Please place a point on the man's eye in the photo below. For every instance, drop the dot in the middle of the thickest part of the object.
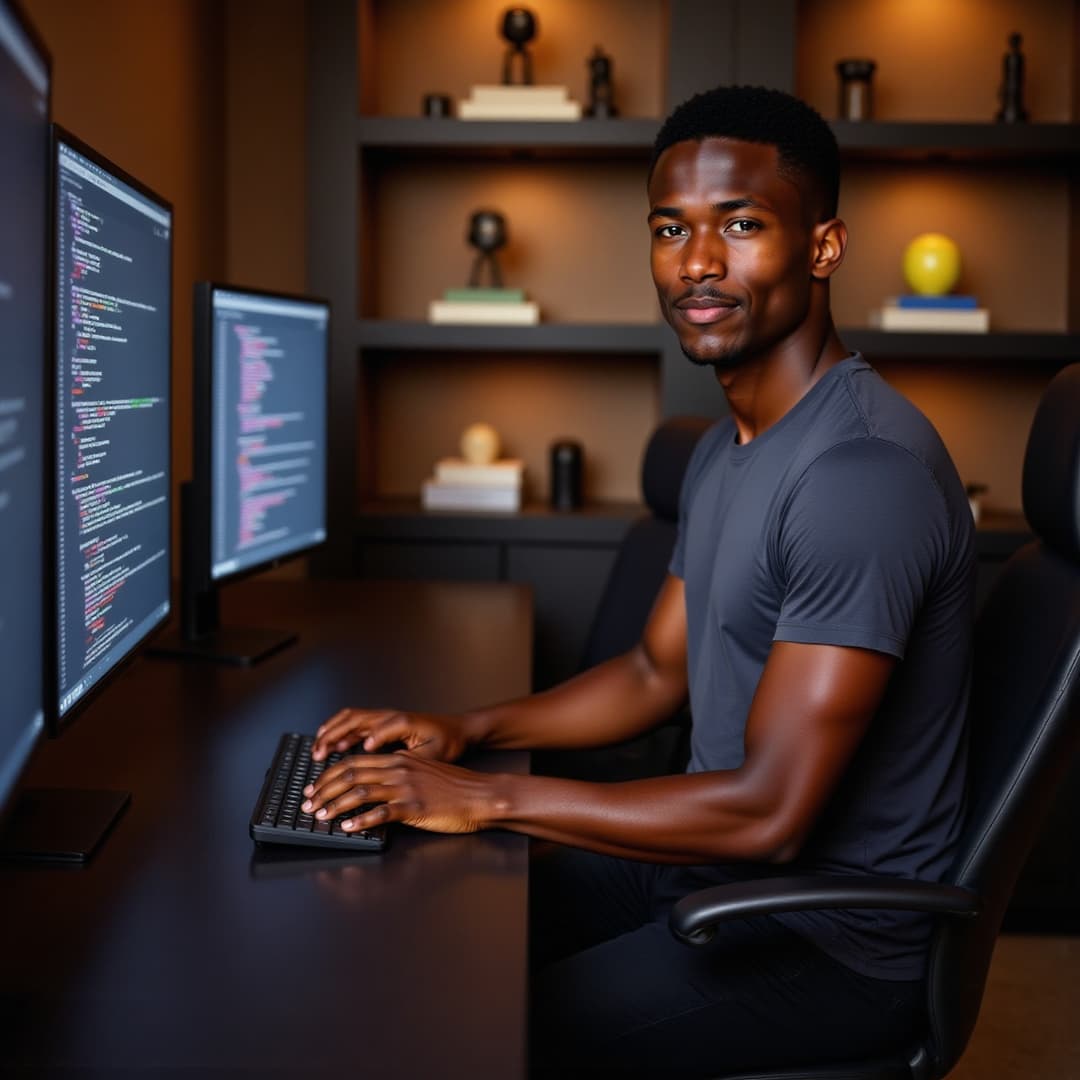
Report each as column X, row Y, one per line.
column 744, row 225
column 668, row 232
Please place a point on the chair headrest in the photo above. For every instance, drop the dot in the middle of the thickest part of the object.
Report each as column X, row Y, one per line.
column 1052, row 465
column 666, row 457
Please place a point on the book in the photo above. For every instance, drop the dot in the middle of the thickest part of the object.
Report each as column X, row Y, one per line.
column 471, row 295
column 500, row 94
column 939, row 320
column 479, row 110
column 507, row 472
column 949, row 302
column 475, row 313
column 435, row 495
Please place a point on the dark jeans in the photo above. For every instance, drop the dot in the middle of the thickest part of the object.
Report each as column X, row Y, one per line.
column 615, row 994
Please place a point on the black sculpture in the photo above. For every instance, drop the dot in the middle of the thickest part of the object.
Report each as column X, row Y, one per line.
column 487, row 233
column 601, row 101
column 519, row 28
column 1012, row 84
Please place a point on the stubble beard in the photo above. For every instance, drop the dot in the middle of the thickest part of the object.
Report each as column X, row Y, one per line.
column 728, row 358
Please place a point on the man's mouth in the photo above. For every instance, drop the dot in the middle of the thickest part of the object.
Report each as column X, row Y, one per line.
column 702, row 310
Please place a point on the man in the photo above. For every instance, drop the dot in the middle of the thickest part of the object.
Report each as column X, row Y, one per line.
column 817, row 614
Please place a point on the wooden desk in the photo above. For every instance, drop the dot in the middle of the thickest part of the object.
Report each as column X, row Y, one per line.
column 180, row 951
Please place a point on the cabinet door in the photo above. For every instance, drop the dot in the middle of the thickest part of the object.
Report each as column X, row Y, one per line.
column 408, row 561
column 567, row 583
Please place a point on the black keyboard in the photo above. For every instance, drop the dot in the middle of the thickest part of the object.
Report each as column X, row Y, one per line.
column 278, row 818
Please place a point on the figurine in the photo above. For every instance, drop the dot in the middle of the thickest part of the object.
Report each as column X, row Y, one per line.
column 1012, row 85
column 519, row 28
column 601, row 101
column 487, row 233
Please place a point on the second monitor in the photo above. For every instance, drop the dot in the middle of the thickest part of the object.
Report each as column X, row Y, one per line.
column 258, row 491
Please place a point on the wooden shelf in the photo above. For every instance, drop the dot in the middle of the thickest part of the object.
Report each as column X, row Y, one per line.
column 404, row 519
column 633, row 138
column 423, row 136
column 881, row 141
column 1050, row 351
column 613, row 338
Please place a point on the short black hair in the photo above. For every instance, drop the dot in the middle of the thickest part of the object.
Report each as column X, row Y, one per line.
column 805, row 144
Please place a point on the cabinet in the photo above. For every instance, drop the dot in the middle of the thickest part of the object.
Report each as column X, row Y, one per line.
column 389, row 193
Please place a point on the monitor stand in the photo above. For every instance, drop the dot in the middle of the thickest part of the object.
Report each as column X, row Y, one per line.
column 236, row 645
column 60, row 824
column 200, row 635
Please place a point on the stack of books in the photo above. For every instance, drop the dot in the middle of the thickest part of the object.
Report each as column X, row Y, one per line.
column 937, row 314
column 500, row 307
column 460, row 485
column 519, row 103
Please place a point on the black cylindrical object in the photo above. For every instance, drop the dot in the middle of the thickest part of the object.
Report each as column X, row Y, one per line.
column 567, row 460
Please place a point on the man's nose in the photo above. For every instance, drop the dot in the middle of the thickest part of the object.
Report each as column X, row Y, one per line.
column 703, row 257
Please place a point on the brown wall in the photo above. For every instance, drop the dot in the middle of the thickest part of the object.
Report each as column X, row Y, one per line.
column 204, row 102
column 142, row 83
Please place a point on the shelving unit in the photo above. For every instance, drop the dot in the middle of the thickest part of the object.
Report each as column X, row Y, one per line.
column 389, row 190
column 373, row 173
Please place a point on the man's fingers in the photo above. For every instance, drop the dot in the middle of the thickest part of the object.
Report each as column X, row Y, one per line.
column 344, row 729
column 349, row 774
column 388, row 728
column 356, row 797
column 396, row 810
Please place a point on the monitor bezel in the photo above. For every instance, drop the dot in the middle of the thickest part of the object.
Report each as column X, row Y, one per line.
column 202, row 433
column 7, row 796
column 56, row 722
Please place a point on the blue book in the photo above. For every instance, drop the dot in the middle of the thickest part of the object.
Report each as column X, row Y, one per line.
column 937, row 303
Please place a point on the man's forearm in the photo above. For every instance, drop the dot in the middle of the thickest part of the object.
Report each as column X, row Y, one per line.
column 609, row 703
column 698, row 818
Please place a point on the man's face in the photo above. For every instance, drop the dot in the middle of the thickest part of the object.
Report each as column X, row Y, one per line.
column 731, row 249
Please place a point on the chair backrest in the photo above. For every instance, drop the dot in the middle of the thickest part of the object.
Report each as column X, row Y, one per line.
column 1023, row 721
column 643, row 556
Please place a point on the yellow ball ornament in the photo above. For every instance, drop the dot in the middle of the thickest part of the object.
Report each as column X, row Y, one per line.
column 931, row 264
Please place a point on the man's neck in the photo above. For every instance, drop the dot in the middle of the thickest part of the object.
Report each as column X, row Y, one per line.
column 763, row 389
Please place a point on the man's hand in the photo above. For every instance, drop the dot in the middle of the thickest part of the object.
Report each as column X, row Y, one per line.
column 428, row 794
column 439, row 737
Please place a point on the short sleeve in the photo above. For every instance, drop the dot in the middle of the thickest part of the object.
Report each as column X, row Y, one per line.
column 858, row 546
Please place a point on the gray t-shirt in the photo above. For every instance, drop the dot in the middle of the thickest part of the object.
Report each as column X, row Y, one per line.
column 844, row 523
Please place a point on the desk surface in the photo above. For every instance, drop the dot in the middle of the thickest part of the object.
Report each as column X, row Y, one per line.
column 182, row 948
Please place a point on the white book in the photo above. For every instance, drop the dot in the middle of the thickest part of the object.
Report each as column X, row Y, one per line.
column 437, row 496
column 499, row 94
column 478, row 110
column 476, row 313
column 937, row 320
column 507, row 472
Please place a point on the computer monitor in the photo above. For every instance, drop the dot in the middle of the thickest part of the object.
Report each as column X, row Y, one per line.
column 109, row 467
column 24, row 208
column 258, row 491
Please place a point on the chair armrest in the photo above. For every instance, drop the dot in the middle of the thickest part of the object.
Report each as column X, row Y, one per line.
column 693, row 917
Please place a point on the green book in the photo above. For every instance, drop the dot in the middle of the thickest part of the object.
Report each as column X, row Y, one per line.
column 485, row 296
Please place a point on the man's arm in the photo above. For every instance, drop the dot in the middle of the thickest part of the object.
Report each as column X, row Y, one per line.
column 812, row 706
column 609, row 703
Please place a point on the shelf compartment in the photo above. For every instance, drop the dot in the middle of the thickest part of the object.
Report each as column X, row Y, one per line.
column 891, row 141
column 616, row 338
column 425, row 137
column 404, row 519
column 1047, row 349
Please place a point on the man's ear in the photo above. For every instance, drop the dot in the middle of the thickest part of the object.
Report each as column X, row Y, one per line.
column 828, row 244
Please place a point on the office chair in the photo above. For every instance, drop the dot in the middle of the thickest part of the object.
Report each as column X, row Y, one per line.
column 642, row 559
column 640, row 567
column 1024, row 725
